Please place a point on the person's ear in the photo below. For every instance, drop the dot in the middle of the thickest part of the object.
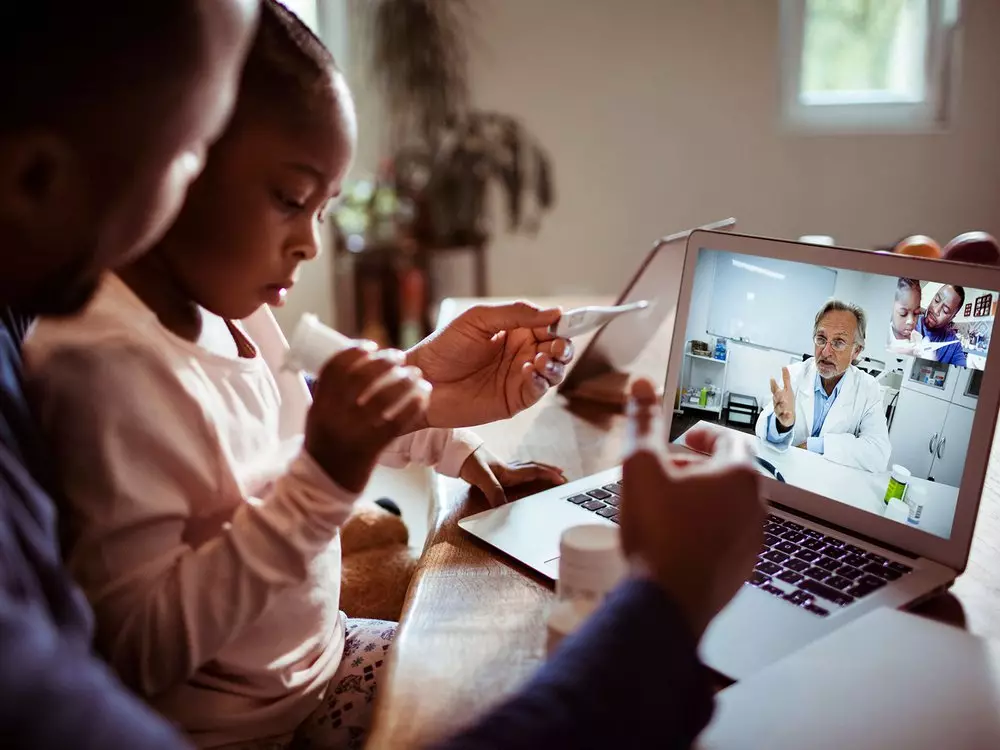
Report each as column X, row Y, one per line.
column 39, row 174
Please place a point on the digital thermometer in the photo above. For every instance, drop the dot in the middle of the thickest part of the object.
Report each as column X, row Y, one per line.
column 586, row 319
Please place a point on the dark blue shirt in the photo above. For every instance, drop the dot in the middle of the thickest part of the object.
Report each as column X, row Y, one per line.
column 950, row 354
column 53, row 692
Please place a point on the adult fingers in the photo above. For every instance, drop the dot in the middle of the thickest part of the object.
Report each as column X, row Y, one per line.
column 774, row 387
column 477, row 472
column 643, row 414
column 561, row 350
column 643, row 392
column 554, row 468
column 643, row 483
column 550, row 369
column 723, row 448
column 496, row 318
column 786, row 378
column 704, row 438
column 533, row 385
column 522, row 473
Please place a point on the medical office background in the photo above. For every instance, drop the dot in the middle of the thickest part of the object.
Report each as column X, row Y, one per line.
column 925, row 403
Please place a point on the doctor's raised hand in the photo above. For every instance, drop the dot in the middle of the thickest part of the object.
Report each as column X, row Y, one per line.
column 784, row 401
column 490, row 363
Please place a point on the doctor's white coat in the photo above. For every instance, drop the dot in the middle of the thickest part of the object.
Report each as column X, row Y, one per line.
column 854, row 432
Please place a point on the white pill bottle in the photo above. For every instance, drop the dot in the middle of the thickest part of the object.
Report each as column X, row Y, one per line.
column 591, row 564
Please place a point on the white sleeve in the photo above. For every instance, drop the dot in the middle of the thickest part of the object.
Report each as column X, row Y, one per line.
column 137, row 455
column 764, row 418
column 762, row 426
column 869, row 449
column 444, row 449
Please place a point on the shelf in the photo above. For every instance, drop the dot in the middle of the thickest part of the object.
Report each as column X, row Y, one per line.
column 707, row 359
column 699, row 407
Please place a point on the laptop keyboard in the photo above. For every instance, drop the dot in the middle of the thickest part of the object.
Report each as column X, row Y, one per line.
column 603, row 501
column 816, row 571
column 807, row 568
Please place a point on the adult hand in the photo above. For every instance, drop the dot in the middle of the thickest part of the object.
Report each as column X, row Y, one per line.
column 491, row 475
column 490, row 363
column 693, row 524
column 784, row 400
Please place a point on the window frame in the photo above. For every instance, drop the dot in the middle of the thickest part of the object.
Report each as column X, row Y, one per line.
column 932, row 114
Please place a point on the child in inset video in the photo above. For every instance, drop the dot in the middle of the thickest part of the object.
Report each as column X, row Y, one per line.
column 905, row 312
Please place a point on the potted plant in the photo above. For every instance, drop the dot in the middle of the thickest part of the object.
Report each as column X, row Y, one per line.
column 446, row 155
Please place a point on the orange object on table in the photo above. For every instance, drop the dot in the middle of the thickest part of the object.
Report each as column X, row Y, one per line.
column 974, row 247
column 918, row 244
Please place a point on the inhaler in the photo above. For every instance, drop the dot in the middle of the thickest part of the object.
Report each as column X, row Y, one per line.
column 313, row 345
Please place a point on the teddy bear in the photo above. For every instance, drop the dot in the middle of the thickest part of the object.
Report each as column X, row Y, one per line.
column 376, row 561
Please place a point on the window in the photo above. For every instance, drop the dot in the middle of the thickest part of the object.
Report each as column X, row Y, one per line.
column 868, row 65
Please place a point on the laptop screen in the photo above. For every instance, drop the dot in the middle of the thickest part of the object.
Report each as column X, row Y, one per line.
column 855, row 386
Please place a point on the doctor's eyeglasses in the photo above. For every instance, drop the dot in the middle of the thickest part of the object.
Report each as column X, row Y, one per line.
column 838, row 345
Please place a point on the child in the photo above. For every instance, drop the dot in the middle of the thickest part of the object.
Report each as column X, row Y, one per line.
column 202, row 531
column 905, row 310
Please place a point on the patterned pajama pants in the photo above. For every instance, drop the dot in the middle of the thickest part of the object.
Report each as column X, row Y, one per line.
column 343, row 719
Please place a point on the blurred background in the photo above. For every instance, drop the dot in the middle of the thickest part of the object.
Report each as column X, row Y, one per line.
column 538, row 147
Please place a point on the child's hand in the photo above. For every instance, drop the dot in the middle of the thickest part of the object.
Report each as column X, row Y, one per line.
column 487, row 472
column 362, row 401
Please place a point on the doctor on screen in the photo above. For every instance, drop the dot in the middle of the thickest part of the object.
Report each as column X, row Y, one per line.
column 827, row 405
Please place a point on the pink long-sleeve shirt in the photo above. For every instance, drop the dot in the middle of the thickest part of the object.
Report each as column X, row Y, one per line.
column 203, row 535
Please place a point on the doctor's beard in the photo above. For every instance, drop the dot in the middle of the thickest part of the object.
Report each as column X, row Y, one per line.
column 826, row 368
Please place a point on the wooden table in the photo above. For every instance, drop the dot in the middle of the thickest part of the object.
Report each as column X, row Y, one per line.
column 474, row 623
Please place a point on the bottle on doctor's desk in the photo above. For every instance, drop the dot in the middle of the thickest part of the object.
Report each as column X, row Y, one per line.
column 591, row 564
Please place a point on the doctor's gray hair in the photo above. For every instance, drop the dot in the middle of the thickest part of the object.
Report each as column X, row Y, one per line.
column 836, row 305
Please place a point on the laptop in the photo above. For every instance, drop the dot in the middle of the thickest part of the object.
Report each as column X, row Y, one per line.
column 618, row 353
column 832, row 552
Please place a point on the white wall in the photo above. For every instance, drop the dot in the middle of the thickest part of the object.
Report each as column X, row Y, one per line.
column 875, row 295
column 661, row 114
column 750, row 368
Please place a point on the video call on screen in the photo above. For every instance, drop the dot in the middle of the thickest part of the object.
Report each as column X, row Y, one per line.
column 855, row 386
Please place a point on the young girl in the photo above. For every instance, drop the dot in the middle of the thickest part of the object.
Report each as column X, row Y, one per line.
column 203, row 492
column 905, row 312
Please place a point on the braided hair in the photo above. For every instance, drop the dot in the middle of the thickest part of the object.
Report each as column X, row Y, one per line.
column 287, row 63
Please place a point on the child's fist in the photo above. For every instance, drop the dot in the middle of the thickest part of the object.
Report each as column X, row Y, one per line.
column 362, row 401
